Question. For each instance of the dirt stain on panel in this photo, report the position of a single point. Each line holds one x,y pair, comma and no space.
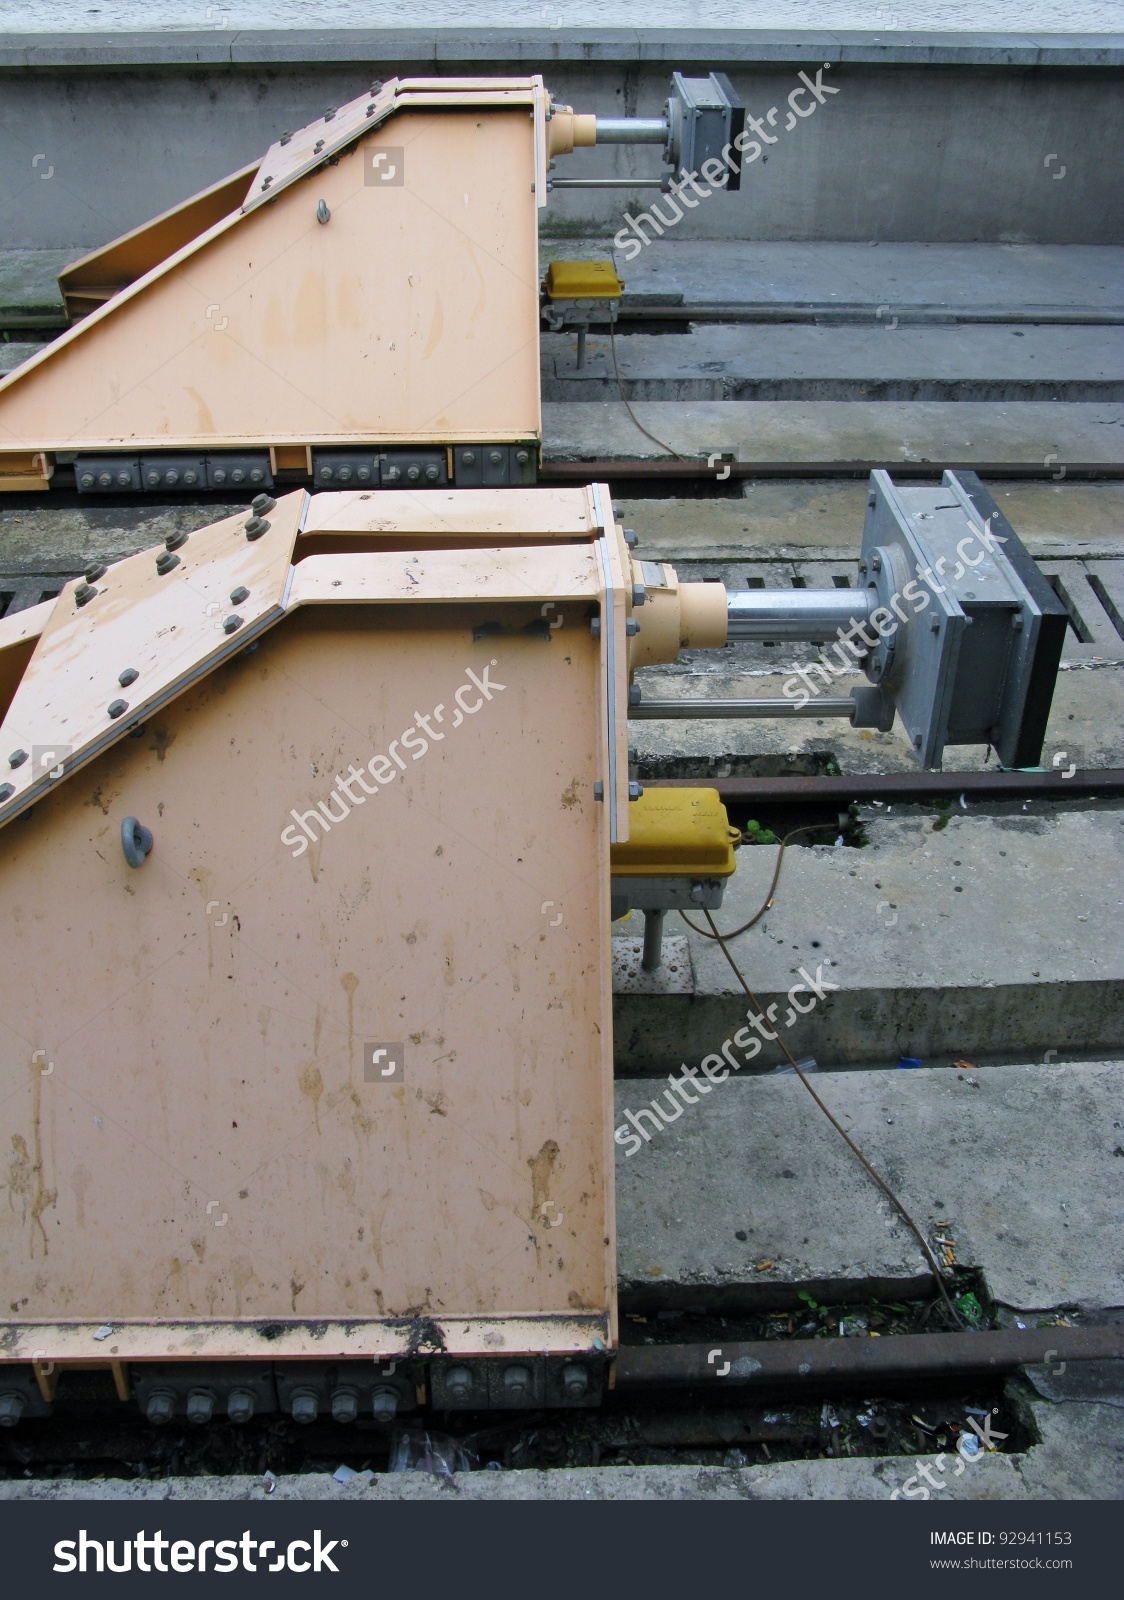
542,1169
311,1082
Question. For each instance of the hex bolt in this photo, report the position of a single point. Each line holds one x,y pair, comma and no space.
599,790
165,562
265,183
240,1405
255,527
261,503
124,480
432,472
105,480
630,538
237,474
7,790
174,541
232,624
117,708
876,562
285,137
329,114
862,568
634,694
86,481
345,474
345,1404
595,627
468,458
632,627
17,758
1017,621
458,1383
872,499
517,1383
238,595
130,675
304,1407
495,457
161,1406
327,474
413,473
317,147
200,1406
12,1406
575,1381
191,477
639,594
218,475
522,457
95,571
384,1405
635,790
152,478
84,594
322,212
171,477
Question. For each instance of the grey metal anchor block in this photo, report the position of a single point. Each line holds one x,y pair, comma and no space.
970,632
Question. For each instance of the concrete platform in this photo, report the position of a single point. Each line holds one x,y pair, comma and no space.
992,936
999,279
1018,1161
884,362
887,432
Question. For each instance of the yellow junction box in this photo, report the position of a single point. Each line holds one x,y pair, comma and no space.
582,280
676,833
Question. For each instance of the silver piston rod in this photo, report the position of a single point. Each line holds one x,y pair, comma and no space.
632,130
811,614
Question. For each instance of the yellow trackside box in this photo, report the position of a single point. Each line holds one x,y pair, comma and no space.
676,833
582,280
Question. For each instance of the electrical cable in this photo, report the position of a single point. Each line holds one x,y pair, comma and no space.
813,827
838,1126
620,385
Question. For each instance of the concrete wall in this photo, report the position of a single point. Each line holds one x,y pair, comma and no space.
931,140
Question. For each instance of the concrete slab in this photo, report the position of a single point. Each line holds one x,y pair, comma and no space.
988,935
887,432
959,276
824,518
29,291
794,362
751,1195
13,353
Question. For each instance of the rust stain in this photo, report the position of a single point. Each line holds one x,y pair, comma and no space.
295,1287
349,982
437,1103
161,739
312,1085
542,1168
570,796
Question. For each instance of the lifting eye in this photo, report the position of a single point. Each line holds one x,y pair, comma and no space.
136,841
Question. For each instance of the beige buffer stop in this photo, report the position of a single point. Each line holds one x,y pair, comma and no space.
306,834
